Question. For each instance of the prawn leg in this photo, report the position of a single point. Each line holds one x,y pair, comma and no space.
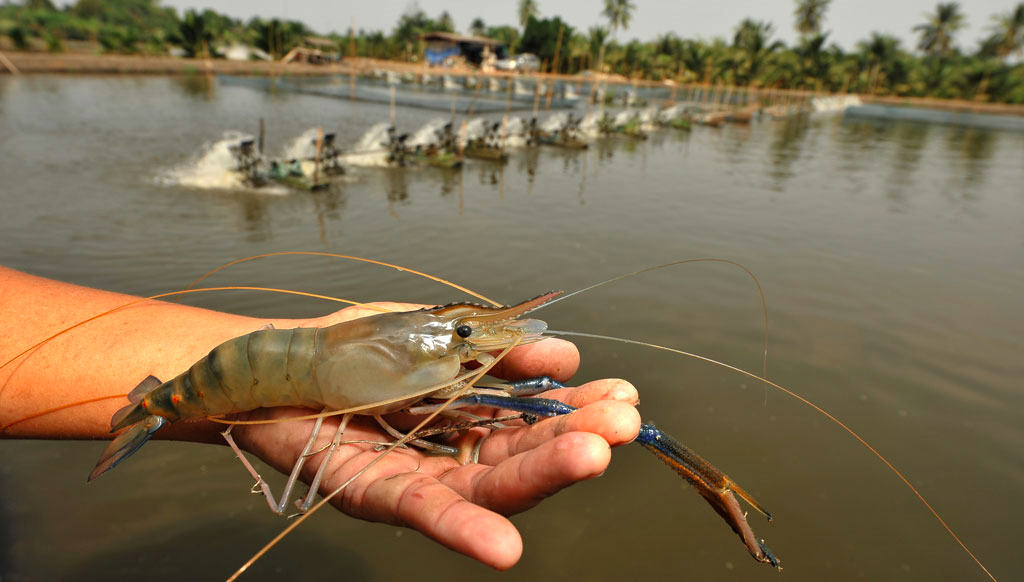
276,507
307,502
714,486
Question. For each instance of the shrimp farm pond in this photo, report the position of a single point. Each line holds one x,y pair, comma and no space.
891,254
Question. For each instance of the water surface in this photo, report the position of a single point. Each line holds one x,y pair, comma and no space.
891,254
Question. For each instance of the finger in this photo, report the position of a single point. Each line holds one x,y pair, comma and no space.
520,482
420,501
605,389
552,357
361,310
617,423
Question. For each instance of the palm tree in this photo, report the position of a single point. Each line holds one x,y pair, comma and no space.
578,47
195,35
597,37
814,60
752,43
877,51
937,33
618,13
527,9
1008,33
810,14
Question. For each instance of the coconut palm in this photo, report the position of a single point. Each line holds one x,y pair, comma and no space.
596,39
579,49
877,51
1008,33
618,13
813,59
937,33
751,42
810,14
527,9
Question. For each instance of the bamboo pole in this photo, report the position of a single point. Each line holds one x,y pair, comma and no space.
392,106
9,65
558,46
476,93
536,96
262,131
462,137
319,150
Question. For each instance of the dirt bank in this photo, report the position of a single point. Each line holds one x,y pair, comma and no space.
35,62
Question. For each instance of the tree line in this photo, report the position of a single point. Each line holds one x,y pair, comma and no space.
879,64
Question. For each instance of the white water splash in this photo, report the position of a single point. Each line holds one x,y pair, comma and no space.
835,103
669,113
302,147
554,122
589,125
515,132
213,168
426,135
371,149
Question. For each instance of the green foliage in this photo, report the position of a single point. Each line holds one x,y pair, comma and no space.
527,10
194,34
992,71
541,38
937,33
19,37
506,34
276,37
810,15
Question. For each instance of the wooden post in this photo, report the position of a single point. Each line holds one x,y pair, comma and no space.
392,106
509,86
476,93
536,96
558,46
316,160
262,129
9,65
462,137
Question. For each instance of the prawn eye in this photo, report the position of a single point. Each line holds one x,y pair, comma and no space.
464,330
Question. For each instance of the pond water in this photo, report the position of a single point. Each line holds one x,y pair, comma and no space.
891,255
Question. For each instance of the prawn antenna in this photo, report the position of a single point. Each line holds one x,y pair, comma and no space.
753,277
803,400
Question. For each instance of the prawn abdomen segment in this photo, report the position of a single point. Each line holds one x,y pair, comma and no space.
263,368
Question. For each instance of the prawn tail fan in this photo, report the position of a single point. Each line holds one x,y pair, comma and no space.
140,426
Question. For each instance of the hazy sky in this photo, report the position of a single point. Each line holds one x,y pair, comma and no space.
848,20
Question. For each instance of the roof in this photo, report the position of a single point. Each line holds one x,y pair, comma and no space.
320,41
451,37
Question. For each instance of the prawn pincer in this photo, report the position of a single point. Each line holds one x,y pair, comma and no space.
381,364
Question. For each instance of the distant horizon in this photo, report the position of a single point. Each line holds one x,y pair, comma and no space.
847,21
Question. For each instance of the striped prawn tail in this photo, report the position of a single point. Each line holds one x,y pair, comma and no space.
140,426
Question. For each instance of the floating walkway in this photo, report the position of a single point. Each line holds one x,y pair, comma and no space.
460,100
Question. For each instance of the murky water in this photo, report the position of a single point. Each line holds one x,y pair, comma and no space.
892,256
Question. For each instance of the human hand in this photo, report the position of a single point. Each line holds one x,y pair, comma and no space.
462,506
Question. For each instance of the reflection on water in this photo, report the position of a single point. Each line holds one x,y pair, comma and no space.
199,85
891,255
787,147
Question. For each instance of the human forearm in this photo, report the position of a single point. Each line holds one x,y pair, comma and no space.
104,357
